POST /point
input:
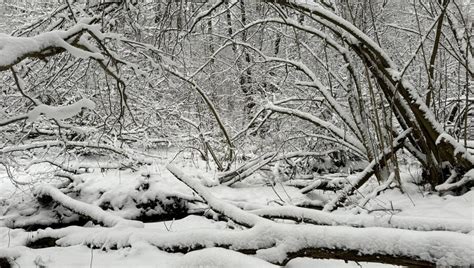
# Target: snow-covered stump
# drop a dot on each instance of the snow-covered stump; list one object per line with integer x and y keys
{"x": 93, "y": 212}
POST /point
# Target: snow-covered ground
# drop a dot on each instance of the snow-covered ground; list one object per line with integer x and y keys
{"x": 120, "y": 190}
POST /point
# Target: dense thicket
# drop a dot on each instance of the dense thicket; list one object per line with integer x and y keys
{"x": 290, "y": 87}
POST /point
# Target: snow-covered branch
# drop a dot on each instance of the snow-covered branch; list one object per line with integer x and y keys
{"x": 388, "y": 221}
{"x": 233, "y": 213}
{"x": 339, "y": 133}
{"x": 81, "y": 208}
{"x": 15, "y": 49}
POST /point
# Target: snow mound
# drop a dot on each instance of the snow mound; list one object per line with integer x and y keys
{"x": 219, "y": 257}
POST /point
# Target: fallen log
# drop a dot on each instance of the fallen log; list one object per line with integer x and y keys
{"x": 318, "y": 217}
{"x": 278, "y": 243}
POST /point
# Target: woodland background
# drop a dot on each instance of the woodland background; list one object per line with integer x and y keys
{"x": 335, "y": 100}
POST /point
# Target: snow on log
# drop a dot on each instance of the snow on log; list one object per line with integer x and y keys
{"x": 389, "y": 221}
{"x": 85, "y": 209}
{"x": 460, "y": 151}
{"x": 278, "y": 243}
{"x": 464, "y": 181}
{"x": 237, "y": 215}
{"x": 395, "y": 246}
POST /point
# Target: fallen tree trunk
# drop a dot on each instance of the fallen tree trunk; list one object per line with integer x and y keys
{"x": 354, "y": 255}
{"x": 312, "y": 216}
{"x": 278, "y": 243}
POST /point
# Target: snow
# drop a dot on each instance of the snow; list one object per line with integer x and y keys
{"x": 128, "y": 245}
{"x": 139, "y": 256}
{"x": 393, "y": 221}
{"x": 226, "y": 209}
{"x": 14, "y": 49}
{"x": 432, "y": 207}
{"x": 123, "y": 190}
{"x": 227, "y": 258}
{"x": 331, "y": 102}
{"x": 95, "y": 217}
{"x": 252, "y": 196}
{"x": 145, "y": 255}
{"x": 468, "y": 177}
{"x": 459, "y": 149}
{"x": 311, "y": 263}
{"x": 347, "y": 26}
{"x": 441, "y": 247}
{"x": 83, "y": 208}
{"x": 340, "y": 133}
{"x": 355, "y": 181}
{"x": 60, "y": 112}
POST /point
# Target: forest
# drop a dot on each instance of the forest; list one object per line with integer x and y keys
{"x": 236, "y": 133}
